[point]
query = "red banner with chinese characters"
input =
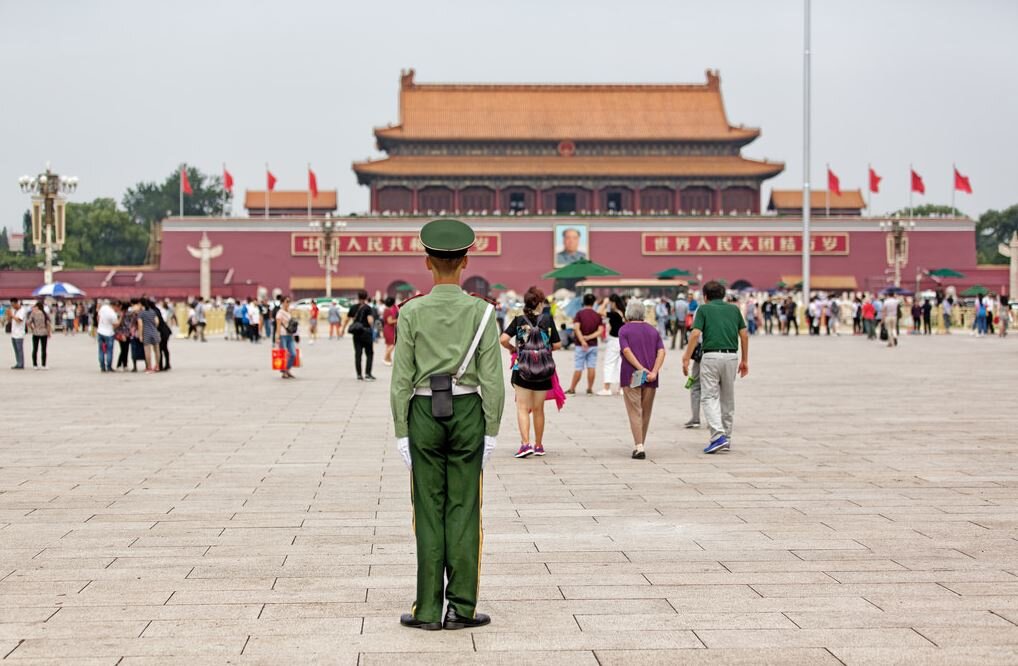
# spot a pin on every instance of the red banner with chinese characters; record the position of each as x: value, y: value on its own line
x: 750, y: 244
x: 384, y: 244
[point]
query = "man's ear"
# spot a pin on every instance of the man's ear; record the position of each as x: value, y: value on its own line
x: 463, y: 264
x: 427, y: 262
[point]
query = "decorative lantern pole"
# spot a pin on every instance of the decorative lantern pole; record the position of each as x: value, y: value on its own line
x: 48, y: 212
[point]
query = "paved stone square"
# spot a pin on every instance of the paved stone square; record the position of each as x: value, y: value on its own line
x: 868, y: 514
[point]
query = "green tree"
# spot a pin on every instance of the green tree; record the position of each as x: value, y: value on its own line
x: 28, y: 249
x: 926, y: 210
x: 98, y: 233
x: 5, y: 245
x: 150, y: 202
x: 994, y: 227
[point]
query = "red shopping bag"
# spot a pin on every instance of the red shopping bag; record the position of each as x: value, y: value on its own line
x: 296, y: 359
x: 278, y: 358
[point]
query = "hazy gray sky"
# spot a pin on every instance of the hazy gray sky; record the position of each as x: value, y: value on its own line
x: 123, y: 90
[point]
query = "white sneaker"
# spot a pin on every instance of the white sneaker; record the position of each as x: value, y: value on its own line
x: 603, y: 392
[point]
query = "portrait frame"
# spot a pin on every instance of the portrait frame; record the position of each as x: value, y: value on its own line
x: 559, y: 242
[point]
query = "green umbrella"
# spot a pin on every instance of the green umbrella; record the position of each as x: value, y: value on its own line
x: 580, y: 269
x: 976, y: 290
x: 693, y: 283
x: 781, y: 284
x: 499, y: 285
x: 946, y: 273
x: 406, y: 286
x: 673, y: 273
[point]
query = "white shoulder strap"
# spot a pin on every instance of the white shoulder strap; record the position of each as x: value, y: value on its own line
x: 476, y: 341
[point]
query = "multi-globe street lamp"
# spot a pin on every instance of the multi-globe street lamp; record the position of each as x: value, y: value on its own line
x: 897, y: 244
x: 328, y: 250
x: 48, y: 216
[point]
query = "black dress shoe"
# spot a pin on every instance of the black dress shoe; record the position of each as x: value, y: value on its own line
x: 408, y: 620
x: 453, y: 620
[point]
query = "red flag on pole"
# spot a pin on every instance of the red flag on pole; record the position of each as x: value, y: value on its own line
x: 917, y: 183
x: 312, y: 183
x: 227, y: 180
x: 833, y: 183
x: 961, y: 183
x: 270, y: 180
x: 185, y: 184
x: 874, y: 181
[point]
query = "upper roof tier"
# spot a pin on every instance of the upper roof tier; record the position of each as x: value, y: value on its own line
x: 542, y: 112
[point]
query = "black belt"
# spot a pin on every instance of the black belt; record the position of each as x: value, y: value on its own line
x: 720, y: 351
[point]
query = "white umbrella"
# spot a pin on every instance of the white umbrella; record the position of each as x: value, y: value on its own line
x: 59, y: 290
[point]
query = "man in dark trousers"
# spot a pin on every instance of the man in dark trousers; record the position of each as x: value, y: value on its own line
x: 447, y: 396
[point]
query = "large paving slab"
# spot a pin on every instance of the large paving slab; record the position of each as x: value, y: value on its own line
x: 868, y: 514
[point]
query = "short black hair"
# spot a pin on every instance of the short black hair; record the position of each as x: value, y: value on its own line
x: 589, y: 299
x: 390, y: 301
x: 362, y: 295
x: 445, y: 265
x: 713, y: 290
x: 15, y: 300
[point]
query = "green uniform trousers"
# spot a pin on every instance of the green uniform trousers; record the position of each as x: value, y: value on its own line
x: 446, y: 492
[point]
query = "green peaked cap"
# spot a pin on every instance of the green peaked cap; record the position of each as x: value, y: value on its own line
x: 446, y: 238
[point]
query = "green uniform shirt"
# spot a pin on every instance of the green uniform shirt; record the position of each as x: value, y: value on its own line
x: 433, y: 334
x: 719, y: 323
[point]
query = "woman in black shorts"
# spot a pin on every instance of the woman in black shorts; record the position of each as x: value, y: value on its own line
x: 530, y: 395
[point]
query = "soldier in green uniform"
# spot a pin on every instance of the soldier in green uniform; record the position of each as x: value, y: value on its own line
x: 447, y: 395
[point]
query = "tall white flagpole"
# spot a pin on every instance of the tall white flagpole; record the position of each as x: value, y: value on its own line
x: 180, y: 190
x: 226, y: 195
x: 806, y: 203
x: 267, y: 192
x: 309, y: 190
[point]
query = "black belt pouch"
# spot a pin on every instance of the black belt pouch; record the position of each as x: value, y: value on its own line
x: 441, y: 397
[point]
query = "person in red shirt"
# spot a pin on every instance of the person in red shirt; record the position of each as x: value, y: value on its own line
x: 869, y: 318
x: 314, y: 321
x: 588, y: 328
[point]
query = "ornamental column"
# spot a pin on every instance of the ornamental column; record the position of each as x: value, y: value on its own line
x: 456, y: 200
x: 678, y: 199
x: 498, y: 200
x: 374, y: 198
x: 414, y: 205
x: 636, y: 199
x: 539, y: 196
x: 717, y: 200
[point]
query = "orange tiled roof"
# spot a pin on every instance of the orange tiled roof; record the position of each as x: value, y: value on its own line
x: 785, y: 199
x: 255, y: 199
x: 553, y: 165
x: 559, y: 112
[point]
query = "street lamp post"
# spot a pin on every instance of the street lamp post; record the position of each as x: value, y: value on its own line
x: 328, y: 251
x: 897, y: 244
x: 48, y: 212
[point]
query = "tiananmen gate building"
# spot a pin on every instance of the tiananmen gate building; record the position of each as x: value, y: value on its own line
x: 641, y: 178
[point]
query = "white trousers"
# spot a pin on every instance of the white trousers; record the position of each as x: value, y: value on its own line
x: 717, y: 391
x: 612, y: 361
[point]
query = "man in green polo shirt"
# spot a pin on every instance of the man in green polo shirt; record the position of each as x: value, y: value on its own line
x: 447, y: 396
x: 721, y: 330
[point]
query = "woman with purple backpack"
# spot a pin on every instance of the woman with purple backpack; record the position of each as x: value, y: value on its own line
x: 531, y: 337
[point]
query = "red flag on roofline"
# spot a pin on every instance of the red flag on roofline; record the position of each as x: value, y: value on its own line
x: 270, y: 180
x: 227, y: 180
x: 874, y: 181
x: 185, y: 184
x: 833, y: 183
x: 961, y: 183
x: 917, y: 183
x: 312, y: 183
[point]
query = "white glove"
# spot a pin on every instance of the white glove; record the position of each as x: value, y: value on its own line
x: 489, y: 446
x: 403, y: 446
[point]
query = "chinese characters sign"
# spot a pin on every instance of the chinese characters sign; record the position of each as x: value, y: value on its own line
x: 756, y: 244
x: 384, y: 244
